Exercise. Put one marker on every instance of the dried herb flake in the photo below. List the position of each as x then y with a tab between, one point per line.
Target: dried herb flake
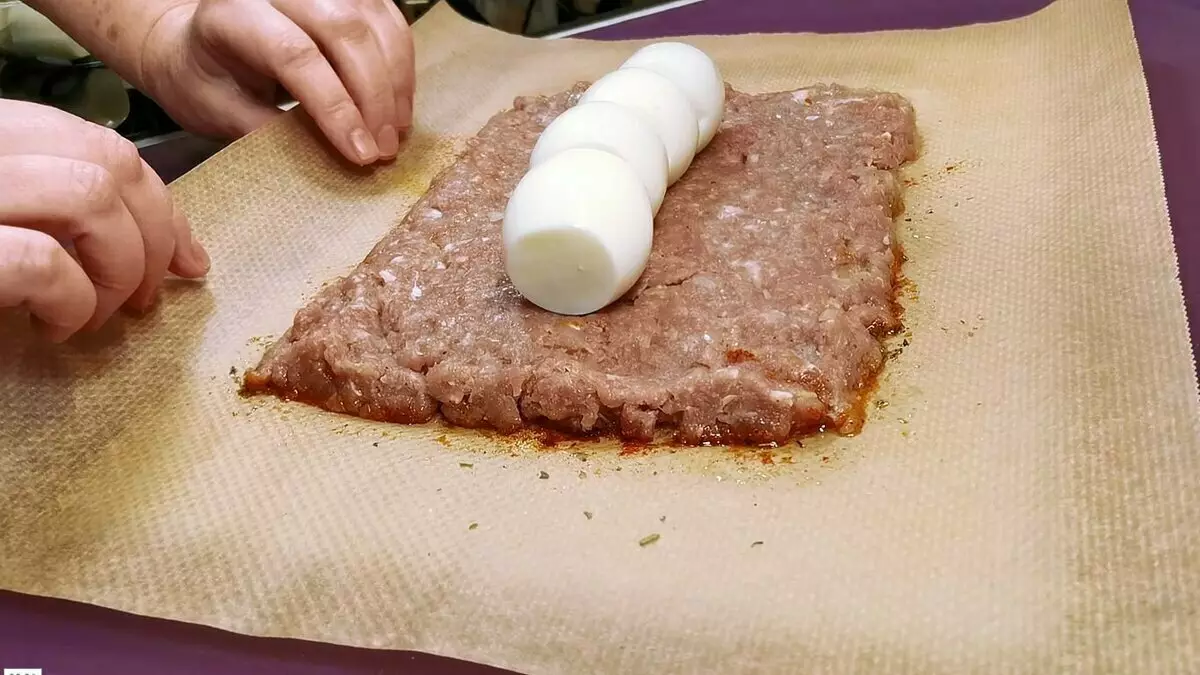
543	475
648	539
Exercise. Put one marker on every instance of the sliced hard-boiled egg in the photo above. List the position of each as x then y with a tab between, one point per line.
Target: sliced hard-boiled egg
577	231
695	74
661	103
607	126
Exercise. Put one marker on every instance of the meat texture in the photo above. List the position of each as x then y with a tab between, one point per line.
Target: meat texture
759	318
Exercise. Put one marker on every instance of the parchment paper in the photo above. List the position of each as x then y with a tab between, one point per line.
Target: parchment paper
1026	501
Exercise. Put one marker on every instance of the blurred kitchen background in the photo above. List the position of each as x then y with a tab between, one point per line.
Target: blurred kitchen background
39	63
539	17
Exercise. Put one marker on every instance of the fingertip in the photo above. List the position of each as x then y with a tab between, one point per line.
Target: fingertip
366	151
57	332
51	333
143	299
191	261
203	260
98	320
404	111
389	142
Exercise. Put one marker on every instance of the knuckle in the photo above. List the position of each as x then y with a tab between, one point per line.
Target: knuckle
295	52
210	11
121	280
347	22
94	185
35	257
343	110
207	23
383	102
121	156
215	22
207	8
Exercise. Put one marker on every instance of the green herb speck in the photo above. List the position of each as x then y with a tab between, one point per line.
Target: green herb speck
375	444
587	514
756	544
543	475
473	526
662	519
466	465
233	370
648	539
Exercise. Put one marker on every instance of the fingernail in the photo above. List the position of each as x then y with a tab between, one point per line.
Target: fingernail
389	141
364	145
406	111
201	256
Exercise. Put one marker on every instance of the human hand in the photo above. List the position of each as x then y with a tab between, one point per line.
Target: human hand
215	65
86	227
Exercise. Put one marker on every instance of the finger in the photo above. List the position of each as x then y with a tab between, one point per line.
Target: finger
78	202
165	235
344	33
191	260
267	41
395	41
35	271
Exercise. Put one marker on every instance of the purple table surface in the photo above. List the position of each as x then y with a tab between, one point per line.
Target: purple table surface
67	638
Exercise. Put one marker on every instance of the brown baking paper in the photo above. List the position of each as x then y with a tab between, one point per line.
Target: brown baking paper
1025	502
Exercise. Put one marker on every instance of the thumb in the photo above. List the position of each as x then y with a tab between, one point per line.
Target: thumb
227	110
243	114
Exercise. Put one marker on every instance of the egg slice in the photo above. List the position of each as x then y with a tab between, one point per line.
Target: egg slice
577	231
661	103
613	128
695	74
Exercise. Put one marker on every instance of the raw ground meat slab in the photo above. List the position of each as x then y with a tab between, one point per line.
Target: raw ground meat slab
759	316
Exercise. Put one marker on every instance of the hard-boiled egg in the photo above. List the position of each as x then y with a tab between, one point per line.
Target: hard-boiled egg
695	74
661	103
607	126
577	231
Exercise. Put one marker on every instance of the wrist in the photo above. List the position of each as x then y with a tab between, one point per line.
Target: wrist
117	32
160	46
